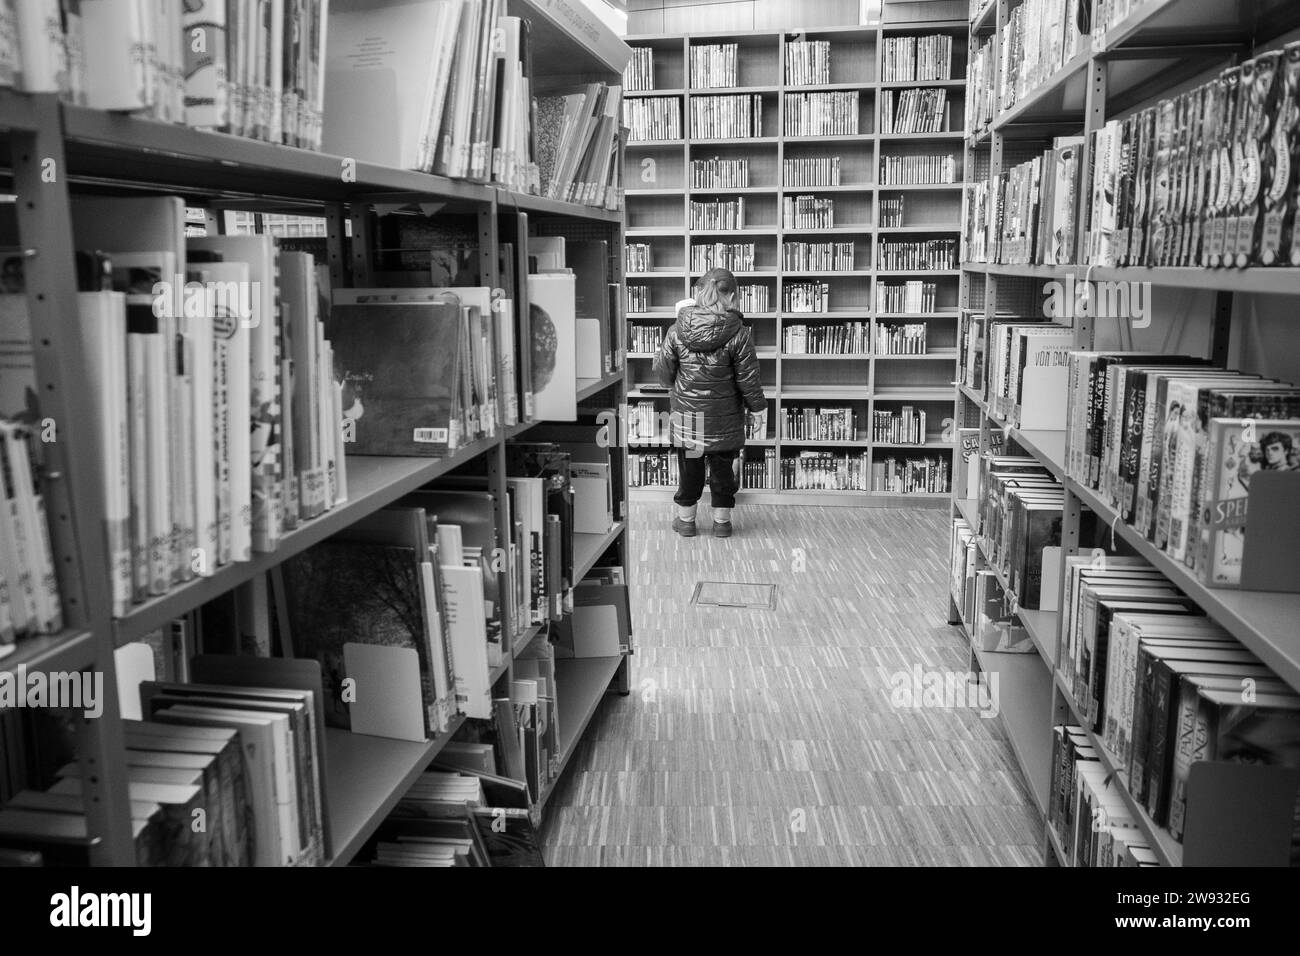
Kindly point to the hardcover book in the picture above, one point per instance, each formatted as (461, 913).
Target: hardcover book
(397, 365)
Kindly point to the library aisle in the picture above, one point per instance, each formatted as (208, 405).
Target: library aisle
(768, 737)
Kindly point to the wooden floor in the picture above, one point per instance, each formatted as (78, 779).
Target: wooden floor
(767, 737)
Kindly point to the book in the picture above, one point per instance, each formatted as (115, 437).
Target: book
(342, 592)
(397, 366)
(552, 317)
(1231, 462)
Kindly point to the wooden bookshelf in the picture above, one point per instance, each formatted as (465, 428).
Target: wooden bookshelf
(1159, 46)
(107, 153)
(659, 193)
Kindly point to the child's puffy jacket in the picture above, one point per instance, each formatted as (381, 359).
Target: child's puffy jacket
(708, 362)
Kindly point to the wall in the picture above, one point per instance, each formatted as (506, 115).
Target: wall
(703, 16)
(698, 16)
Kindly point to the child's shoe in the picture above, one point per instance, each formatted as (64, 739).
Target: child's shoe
(722, 529)
(685, 528)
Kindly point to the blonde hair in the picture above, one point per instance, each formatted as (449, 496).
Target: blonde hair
(716, 290)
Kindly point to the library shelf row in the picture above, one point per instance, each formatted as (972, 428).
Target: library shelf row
(373, 483)
(768, 355)
(865, 86)
(111, 153)
(861, 443)
(655, 218)
(1042, 626)
(1268, 281)
(1167, 850)
(955, 136)
(133, 152)
(657, 494)
(666, 273)
(1159, 44)
(812, 393)
(847, 313)
(1264, 621)
(863, 188)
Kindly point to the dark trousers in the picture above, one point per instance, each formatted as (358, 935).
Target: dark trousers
(722, 480)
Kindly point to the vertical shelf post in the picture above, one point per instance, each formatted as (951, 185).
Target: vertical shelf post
(73, 497)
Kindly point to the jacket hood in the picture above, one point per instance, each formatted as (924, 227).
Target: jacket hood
(701, 330)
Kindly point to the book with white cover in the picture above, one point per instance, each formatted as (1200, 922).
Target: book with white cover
(553, 319)
(383, 52)
(467, 627)
(265, 421)
(103, 327)
(118, 77)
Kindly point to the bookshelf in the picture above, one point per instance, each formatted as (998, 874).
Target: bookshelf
(1154, 51)
(118, 154)
(660, 191)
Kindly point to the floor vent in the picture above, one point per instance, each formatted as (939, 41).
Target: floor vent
(735, 594)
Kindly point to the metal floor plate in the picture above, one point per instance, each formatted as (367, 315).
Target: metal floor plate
(735, 594)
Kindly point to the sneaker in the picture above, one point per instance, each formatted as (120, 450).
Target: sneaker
(722, 529)
(685, 528)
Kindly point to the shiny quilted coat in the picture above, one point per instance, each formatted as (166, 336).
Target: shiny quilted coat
(708, 362)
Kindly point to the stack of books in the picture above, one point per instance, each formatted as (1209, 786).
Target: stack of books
(821, 114)
(847, 338)
(825, 471)
(904, 427)
(910, 475)
(726, 117)
(921, 59)
(713, 65)
(735, 256)
(807, 62)
(913, 255)
(652, 118)
(918, 111)
(915, 296)
(819, 424)
(817, 256)
(1134, 220)
(1173, 445)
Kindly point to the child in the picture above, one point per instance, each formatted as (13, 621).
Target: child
(707, 360)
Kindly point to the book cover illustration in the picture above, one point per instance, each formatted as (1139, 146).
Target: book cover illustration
(344, 592)
(397, 366)
(1234, 460)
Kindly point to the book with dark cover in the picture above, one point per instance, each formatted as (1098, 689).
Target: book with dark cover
(589, 260)
(1151, 703)
(398, 365)
(343, 592)
(1134, 417)
(1265, 731)
(1097, 649)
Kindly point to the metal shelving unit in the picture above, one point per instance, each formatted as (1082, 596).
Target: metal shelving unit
(1161, 44)
(111, 153)
(660, 215)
